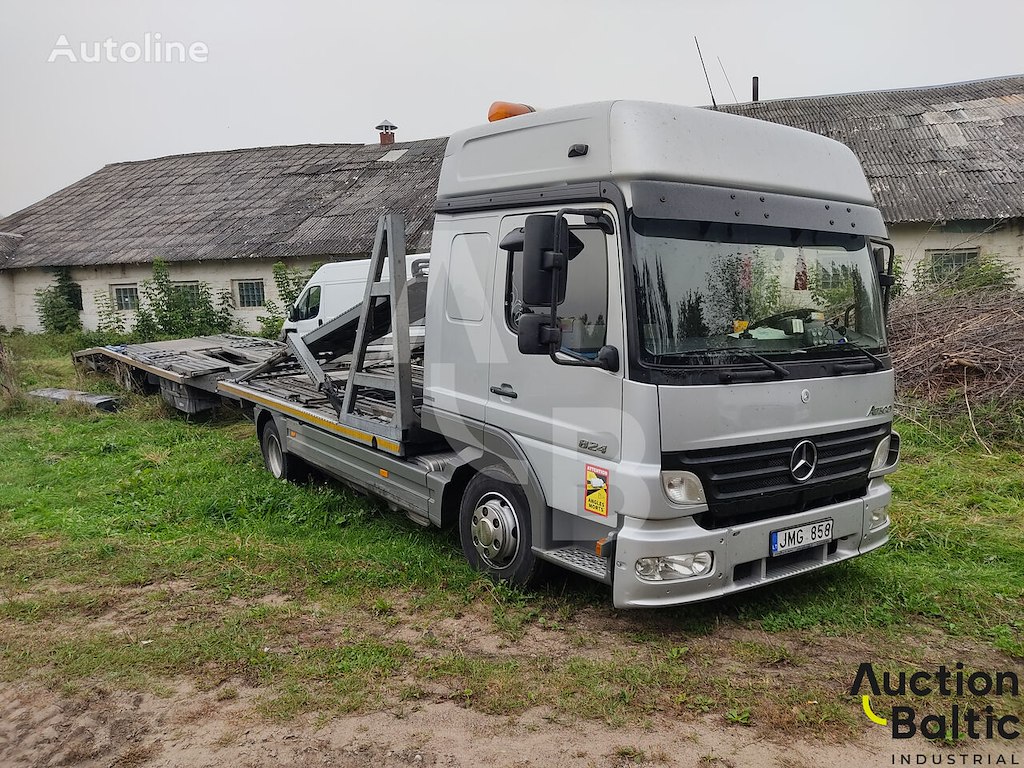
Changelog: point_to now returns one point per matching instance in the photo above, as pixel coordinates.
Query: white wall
(7, 318)
(912, 241)
(18, 286)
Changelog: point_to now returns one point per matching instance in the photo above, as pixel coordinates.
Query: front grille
(752, 482)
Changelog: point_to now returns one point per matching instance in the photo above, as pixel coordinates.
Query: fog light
(878, 519)
(673, 567)
(881, 454)
(683, 488)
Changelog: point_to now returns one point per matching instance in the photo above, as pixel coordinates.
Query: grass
(140, 548)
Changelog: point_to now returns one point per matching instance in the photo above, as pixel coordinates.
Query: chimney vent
(755, 98)
(387, 132)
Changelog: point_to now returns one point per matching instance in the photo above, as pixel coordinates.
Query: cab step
(579, 560)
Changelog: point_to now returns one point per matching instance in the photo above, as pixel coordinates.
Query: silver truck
(654, 354)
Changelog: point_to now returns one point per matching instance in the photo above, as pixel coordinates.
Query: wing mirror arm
(607, 358)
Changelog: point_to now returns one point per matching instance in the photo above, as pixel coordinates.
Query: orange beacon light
(501, 109)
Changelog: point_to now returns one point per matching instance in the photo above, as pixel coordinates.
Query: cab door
(568, 420)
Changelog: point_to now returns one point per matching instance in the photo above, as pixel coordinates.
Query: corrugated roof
(269, 202)
(944, 153)
(8, 244)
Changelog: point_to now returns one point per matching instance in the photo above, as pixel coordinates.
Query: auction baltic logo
(958, 724)
(152, 49)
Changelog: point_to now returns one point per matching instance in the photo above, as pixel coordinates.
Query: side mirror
(884, 267)
(536, 336)
(293, 314)
(608, 357)
(879, 254)
(513, 241)
(544, 270)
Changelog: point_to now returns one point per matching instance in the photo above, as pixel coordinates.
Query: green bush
(169, 310)
(987, 272)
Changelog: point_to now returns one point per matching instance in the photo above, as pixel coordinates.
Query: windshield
(708, 292)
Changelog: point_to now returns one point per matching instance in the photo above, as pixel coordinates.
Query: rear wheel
(279, 463)
(495, 529)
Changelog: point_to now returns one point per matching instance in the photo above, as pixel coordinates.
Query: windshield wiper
(877, 361)
(780, 372)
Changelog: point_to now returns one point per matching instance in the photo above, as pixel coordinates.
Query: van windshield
(710, 293)
(308, 304)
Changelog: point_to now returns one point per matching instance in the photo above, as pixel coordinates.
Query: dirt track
(188, 728)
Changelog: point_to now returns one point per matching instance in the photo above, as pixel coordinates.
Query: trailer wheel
(495, 530)
(279, 462)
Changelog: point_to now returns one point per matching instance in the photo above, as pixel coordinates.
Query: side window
(308, 305)
(582, 315)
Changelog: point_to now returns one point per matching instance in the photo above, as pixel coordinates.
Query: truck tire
(495, 529)
(279, 463)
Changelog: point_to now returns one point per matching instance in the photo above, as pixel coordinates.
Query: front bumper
(741, 552)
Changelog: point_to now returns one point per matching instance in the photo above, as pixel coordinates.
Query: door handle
(505, 390)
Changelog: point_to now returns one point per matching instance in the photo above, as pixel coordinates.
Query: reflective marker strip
(363, 437)
(389, 445)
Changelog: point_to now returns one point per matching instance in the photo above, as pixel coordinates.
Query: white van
(335, 288)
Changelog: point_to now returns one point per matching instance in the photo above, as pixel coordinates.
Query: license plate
(801, 537)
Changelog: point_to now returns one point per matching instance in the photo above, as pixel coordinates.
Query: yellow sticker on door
(595, 495)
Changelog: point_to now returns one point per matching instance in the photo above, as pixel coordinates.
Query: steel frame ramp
(361, 362)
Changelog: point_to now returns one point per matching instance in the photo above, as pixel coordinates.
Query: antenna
(735, 100)
(714, 105)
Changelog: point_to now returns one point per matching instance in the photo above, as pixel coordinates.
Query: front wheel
(495, 529)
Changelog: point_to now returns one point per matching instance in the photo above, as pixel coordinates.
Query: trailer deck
(359, 375)
(186, 371)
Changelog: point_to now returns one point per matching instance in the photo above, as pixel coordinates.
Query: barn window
(189, 289)
(943, 263)
(250, 293)
(126, 297)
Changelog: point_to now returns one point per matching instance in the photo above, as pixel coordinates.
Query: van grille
(752, 482)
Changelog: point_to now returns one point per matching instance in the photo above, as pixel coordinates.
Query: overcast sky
(304, 71)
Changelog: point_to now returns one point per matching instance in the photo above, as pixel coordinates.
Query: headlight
(881, 454)
(673, 567)
(683, 488)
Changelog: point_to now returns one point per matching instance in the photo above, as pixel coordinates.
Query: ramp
(364, 367)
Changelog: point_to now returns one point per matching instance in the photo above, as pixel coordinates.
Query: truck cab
(665, 326)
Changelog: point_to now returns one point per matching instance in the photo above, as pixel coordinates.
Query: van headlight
(683, 488)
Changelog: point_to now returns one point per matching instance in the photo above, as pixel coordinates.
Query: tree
(58, 306)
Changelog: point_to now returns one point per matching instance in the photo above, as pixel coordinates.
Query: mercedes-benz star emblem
(803, 461)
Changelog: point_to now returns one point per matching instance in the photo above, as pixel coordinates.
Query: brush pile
(969, 343)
